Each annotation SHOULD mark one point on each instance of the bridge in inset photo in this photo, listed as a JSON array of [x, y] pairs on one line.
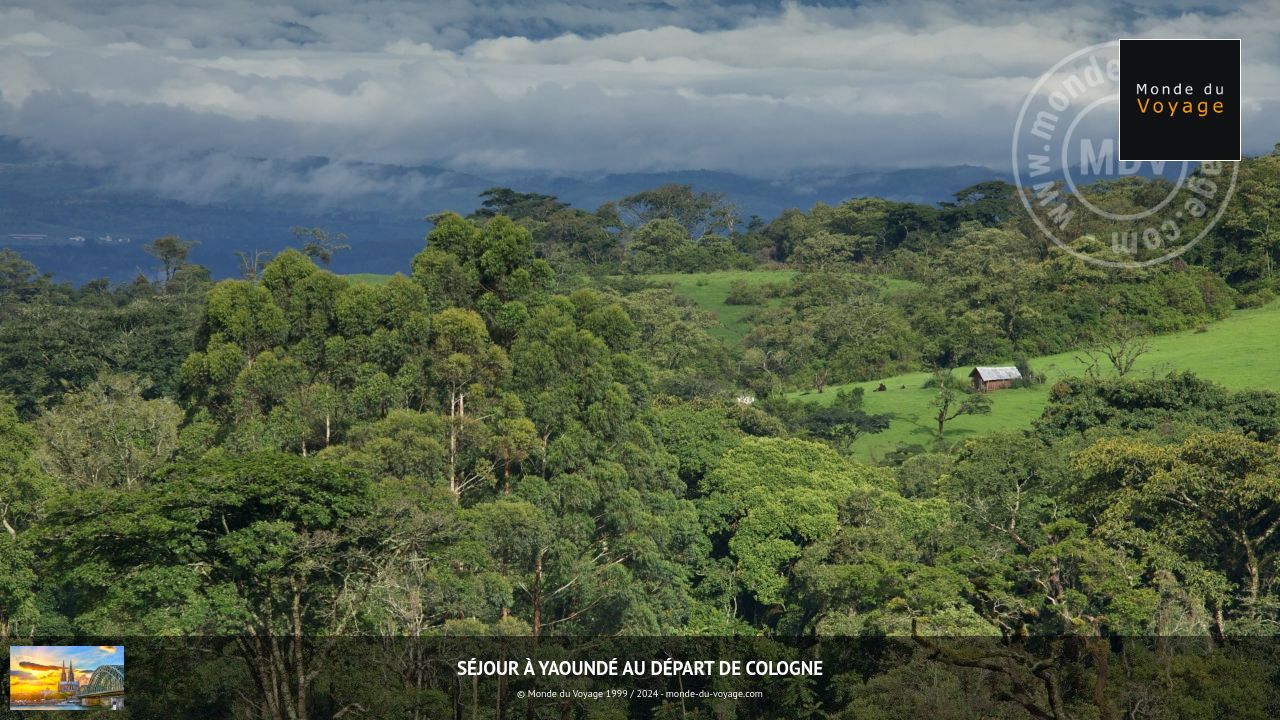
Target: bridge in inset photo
[[105, 688]]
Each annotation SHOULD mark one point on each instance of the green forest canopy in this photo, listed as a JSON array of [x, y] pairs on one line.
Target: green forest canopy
[[526, 435]]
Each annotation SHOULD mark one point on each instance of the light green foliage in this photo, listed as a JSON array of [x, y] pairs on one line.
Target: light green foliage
[[108, 435], [23, 487], [465, 265], [368, 278], [773, 497], [246, 314], [877, 574], [698, 438], [342, 353], [467, 366], [23, 492], [462, 346], [656, 244], [1210, 504]]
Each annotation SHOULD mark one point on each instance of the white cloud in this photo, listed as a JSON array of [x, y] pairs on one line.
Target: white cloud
[[754, 88], [18, 77]]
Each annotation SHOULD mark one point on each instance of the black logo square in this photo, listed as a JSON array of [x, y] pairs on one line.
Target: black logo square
[[1179, 99]]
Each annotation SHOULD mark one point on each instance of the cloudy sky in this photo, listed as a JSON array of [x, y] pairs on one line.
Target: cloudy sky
[[760, 88]]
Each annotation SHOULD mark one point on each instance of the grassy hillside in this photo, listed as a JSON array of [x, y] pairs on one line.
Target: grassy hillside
[[1238, 352], [709, 290]]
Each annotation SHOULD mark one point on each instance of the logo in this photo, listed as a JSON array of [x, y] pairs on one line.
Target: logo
[[1180, 99], [1087, 201]]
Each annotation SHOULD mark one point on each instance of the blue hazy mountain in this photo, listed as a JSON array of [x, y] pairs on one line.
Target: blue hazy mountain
[[81, 221]]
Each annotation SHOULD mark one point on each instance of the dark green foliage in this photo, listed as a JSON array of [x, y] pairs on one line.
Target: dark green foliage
[[19, 280], [1030, 378], [58, 339], [517, 205], [697, 212], [745, 293], [1077, 406], [989, 203], [840, 423], [171, 251], [835, 327]]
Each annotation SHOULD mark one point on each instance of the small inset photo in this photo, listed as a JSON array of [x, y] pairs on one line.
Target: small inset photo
[[66, 677]]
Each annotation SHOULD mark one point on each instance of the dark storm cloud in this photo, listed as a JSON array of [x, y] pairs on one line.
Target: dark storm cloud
[[181, 92]]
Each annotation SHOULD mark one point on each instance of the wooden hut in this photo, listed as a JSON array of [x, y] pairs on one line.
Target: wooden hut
[[986, 379]]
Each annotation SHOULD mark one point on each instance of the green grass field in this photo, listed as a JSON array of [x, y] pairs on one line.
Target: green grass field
[[1238, 352], [709, 290]]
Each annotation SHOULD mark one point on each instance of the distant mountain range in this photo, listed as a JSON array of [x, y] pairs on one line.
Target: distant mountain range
[[82, 221]]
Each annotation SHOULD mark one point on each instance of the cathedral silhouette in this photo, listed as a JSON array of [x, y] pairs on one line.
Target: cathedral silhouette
[[68, 683]]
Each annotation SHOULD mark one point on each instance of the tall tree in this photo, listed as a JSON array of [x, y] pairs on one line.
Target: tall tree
[[769, 498], [171, 251], [698, 212], [467, 364], [23, 488], [517, 205], [318, 244], [1212, 501], [109, 435], [954, 400], [267, 548]]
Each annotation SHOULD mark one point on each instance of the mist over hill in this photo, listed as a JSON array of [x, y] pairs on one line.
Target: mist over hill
[[82, 221]]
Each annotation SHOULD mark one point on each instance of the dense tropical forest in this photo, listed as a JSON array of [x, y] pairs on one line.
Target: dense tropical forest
[[648, 420]]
